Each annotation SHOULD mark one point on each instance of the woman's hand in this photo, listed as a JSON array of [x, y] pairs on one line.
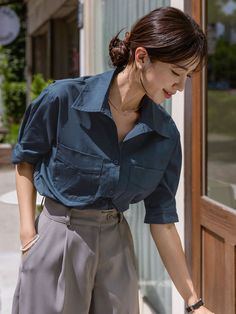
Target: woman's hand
[[26, 194], [170, 248], [202, 310], [25, 253], [26, 237]]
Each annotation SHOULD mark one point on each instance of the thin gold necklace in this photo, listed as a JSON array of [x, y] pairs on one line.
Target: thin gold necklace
[[122, 112]]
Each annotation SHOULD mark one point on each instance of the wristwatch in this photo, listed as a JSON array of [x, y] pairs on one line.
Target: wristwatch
[[195, 306]]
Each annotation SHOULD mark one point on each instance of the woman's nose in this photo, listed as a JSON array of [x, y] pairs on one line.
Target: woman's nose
[[180, 84]]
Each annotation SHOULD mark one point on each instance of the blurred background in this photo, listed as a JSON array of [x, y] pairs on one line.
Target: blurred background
[[42, 41]]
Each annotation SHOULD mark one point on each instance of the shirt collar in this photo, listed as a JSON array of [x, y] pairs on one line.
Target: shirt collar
[[93, 95], [93, 98]]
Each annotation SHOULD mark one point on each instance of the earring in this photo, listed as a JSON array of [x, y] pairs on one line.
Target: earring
[[140, 67]]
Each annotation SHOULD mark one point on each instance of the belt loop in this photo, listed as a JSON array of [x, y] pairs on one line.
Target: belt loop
[[68, 216], [42, 203], [120, 217]]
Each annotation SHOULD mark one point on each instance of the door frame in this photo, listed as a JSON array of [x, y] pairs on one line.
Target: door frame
[[201, 211]]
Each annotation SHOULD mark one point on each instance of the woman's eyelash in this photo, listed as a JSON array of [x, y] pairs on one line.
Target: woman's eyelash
[[175, 73], [189, 75]]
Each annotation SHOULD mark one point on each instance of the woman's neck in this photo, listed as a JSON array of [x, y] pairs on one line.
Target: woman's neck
[[125, 92]]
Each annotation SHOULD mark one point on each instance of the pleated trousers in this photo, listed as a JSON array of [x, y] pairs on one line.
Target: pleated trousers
[[82, 263]]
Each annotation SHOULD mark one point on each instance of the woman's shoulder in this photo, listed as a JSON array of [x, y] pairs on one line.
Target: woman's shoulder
[[64, 86], [73, 86]]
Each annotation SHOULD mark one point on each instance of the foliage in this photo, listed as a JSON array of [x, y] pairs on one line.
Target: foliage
[[12, 67], [14, 95], [222, 112], [14, 53], [12, 134], [38, 84], [4, 70], [222, 65], [14, 99]]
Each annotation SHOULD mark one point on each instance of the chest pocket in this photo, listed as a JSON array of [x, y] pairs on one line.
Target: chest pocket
[[143, 179], [76, 174]]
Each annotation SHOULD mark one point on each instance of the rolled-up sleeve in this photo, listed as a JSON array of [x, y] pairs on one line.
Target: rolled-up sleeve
[[161, 204], [38, 129]]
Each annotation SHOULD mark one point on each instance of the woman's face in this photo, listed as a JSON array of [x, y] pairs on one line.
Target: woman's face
[[162, 80]]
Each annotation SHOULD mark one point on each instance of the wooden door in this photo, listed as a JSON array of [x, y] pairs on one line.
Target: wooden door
[[211, 217]]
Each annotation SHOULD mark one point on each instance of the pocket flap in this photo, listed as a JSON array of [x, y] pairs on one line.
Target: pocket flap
[[145, 177], [83, 161]]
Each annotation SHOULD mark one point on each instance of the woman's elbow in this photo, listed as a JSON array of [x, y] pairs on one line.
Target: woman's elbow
[[159, 227]]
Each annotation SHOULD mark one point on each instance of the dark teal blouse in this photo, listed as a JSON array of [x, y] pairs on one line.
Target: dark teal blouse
[[68, 134]]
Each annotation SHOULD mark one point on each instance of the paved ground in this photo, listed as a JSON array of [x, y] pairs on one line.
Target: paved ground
[[9, 240]]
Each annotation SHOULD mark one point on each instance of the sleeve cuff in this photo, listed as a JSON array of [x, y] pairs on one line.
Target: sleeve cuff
[[164, 217], [18, 155]]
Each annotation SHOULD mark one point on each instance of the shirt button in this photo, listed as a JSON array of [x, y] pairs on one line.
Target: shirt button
[[116, 162]]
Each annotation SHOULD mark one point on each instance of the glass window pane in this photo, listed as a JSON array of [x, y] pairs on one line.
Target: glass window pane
[[221, 102]]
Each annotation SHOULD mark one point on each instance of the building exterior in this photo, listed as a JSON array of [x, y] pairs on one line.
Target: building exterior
[[70, 38], [52, 39]]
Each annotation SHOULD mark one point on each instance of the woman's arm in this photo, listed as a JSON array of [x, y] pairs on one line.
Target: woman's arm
[[168, 243], [26, 194]]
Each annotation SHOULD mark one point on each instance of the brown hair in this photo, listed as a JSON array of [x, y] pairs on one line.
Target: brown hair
[[168, 34]]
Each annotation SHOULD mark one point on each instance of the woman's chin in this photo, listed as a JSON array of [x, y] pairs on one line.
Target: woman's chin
[[158, 100]]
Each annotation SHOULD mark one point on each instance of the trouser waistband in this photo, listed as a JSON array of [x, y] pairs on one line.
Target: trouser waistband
[[67, 215]]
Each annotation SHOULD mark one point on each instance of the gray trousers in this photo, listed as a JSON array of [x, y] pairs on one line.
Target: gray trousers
[[83, 262]]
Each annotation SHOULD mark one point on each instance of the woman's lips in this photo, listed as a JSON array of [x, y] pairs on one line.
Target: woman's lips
[[167, 95]]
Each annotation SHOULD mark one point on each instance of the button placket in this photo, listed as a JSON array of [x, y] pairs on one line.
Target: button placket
[[115, 178]]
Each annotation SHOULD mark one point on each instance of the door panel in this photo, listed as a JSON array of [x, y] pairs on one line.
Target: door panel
[[213, 248]]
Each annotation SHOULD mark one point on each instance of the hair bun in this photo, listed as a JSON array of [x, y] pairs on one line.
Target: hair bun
[[119, 50]]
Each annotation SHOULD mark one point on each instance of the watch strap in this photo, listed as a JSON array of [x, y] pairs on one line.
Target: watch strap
[[195, 306]]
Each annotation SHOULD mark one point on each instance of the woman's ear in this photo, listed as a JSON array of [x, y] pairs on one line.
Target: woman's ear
[[141, 58]]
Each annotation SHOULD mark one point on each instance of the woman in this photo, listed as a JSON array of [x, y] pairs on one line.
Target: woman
[[92, 146]]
